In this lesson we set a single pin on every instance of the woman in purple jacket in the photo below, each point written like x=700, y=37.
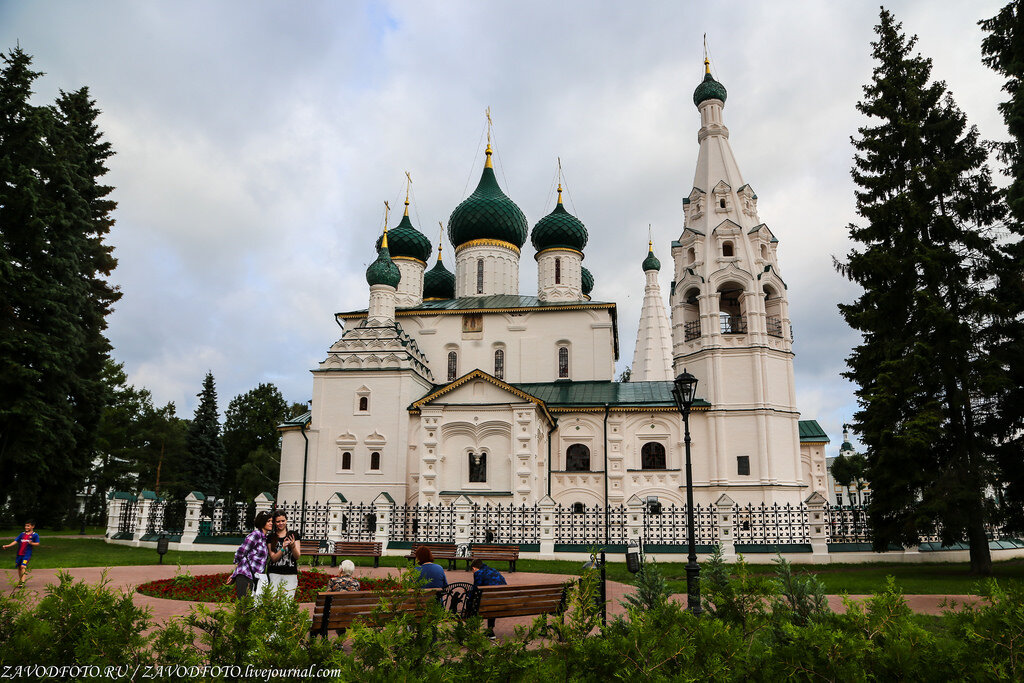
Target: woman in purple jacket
x=251, y=556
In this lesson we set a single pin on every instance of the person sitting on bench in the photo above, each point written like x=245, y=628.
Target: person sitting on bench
x=487, y=576
x=433, y=573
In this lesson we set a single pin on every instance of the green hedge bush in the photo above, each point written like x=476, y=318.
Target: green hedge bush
x=755, y=628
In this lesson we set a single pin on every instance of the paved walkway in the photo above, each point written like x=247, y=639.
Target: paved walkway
x=127, y=578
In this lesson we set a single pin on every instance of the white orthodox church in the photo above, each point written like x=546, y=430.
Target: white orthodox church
x=456, y=384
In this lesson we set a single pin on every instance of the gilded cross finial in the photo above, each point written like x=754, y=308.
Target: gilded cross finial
x=707, y=62
x=384, y=240
x=490, y=123
x=559, y=179
x=440, y=240
x=650, y=238
x=408, y=182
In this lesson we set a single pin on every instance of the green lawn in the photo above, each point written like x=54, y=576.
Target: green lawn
x=931, y=578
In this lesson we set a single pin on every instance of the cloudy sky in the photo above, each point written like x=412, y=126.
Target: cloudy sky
x=257, y=141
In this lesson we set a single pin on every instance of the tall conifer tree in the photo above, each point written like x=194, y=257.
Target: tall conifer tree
x=204, y=470
x=54, y=297
x=925, y=248
x=1003, y=51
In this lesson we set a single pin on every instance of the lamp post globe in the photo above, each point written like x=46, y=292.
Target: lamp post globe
x=683, y=390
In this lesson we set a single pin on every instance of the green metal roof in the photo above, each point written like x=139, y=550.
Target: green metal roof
x=383, y=271
x=587, y=280
x=811, y=431
x=405, y=240
x=438, y=282
x=709, y=89
x=298, y=420
x=598, y=393
x=651, y=262
x=487, y=214
x=559, y=229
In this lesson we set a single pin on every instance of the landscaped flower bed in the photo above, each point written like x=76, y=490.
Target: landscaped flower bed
x=214, y=587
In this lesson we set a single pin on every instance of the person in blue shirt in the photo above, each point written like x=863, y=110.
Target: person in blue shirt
x=487, y=576
x=25, y=542
x=433, y=573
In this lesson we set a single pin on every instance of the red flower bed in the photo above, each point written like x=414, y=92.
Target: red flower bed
x=214, y=587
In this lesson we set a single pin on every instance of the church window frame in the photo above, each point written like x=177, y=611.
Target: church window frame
x=453, y=365
x=563, y=361
x=577, y=458
x=476, y=462
x=499, y=363
x=743, y=465
x=558, y=271
x=653, y=456
x=364, y=404
x=479, y=276
x=375, y=461
x=728, y=251
x=578, y=508
x=361, y=405
x=346, y=461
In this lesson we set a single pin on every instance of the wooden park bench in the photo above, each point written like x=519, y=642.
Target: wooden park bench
x=353, y=549
x=440, y=551
x=501, y=553
x=311, y=547
x=496, y=602
x=336, y=610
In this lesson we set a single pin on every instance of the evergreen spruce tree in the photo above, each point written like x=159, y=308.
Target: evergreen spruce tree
x=925, y=249
x=1003, y=51
x=53, y=294
x=204, y=470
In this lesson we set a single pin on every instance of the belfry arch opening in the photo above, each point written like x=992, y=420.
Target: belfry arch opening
x=691, y=314
x=732, y=316
x=773, y=311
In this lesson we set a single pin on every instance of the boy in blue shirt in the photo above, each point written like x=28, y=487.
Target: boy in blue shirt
x=487, y=576
x=25, y=541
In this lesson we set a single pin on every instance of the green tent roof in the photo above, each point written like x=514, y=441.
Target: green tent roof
x=811, y=431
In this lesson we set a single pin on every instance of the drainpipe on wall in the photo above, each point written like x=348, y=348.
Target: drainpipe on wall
x=305, y=463
x=605, y=449
x=554, y=426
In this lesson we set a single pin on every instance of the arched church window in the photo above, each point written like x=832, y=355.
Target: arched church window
x=558, y=271
x=563, y=362
x=721, y=203
x=499, y=364
x=453, y=365
x=727, y=247
x=479, y=276
x=652, y=456
x=375, y=460
x=764, y=251
x=478, y=467
x=346, y=461
x=577, y=458
x=691, y=256
x=578, y=508
x=364, y=403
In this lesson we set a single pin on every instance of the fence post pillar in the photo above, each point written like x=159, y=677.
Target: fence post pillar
x=462, y=516
x=264, y=502
x=634, y=519
x=817, y=531
x=384, y=509
x=115, y=503
x=193, y=508
x=337, y=525
x=725, y=517
x=546, y=514
x=142, y=512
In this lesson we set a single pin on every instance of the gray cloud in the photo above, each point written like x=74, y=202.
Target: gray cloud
x=257, y=141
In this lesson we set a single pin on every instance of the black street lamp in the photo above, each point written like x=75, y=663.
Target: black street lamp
x=683, y=390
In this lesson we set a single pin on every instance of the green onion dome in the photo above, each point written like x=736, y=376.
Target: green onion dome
x=405, y=240
x=651, y=262
x=588, y=281
x=847, y=446
x=438, y=282
x=559, y=229
x=709, y=89
x=487, y=214
x=383, y=271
